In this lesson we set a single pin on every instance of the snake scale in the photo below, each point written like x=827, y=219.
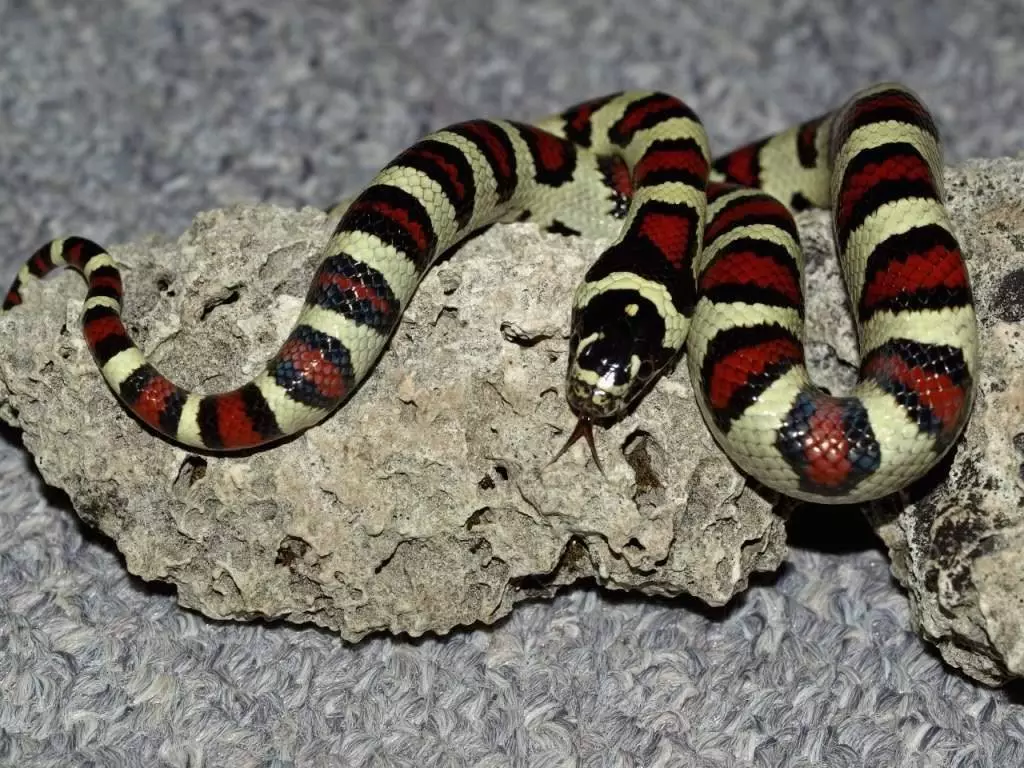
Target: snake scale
x=704, y=254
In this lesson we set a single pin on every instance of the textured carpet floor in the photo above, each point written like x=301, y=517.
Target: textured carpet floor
x=129, y=116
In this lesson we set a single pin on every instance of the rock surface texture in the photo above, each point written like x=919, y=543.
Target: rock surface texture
x=426, y=503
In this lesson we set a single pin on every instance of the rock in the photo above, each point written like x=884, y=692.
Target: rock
x=425, y=502
x=957, y=541
x=959, y=549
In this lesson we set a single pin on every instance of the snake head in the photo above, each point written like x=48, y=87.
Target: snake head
x=608, y=371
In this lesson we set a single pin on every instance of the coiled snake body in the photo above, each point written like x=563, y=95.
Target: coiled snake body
x=706, y=254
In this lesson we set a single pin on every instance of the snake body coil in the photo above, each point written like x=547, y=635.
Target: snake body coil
x=705, y=254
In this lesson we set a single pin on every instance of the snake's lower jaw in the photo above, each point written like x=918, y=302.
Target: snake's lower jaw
x=592, y=403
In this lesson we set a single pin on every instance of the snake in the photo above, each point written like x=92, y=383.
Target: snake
x=704, y=259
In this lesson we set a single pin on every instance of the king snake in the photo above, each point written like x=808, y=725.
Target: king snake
x=704, y=253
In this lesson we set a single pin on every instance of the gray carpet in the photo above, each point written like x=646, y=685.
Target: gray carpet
x=128, y=116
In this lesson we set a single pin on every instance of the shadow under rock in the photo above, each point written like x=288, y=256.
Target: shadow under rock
x=837, y=530
x=689, y=603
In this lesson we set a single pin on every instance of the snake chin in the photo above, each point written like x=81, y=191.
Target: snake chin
x=592, y=402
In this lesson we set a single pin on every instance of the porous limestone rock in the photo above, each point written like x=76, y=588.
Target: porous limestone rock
x=426, y=502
